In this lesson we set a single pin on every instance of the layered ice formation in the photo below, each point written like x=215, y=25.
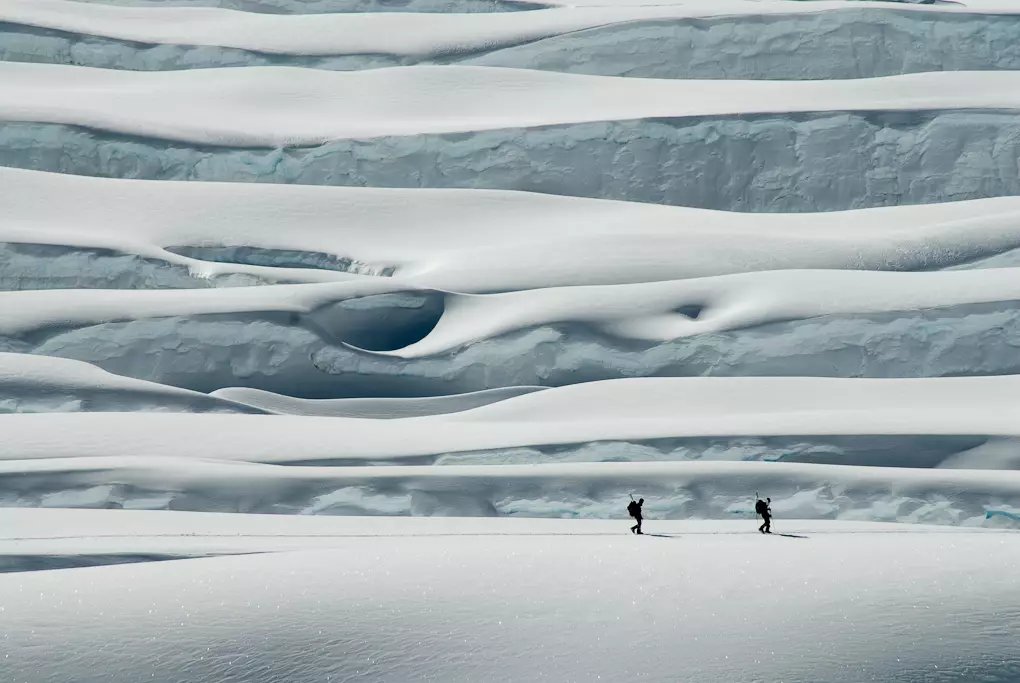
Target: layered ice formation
x=416, y=339
x=361, y=273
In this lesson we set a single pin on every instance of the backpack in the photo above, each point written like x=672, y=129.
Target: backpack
x=633, y=508
x=761, y=507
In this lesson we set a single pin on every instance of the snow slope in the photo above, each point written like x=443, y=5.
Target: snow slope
x=275, y=106
x=375, y=408
x=42, y=384
x=824, y=605
x=464, y=241
x=625, y=410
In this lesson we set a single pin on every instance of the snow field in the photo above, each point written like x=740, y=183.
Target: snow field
x=824, y=603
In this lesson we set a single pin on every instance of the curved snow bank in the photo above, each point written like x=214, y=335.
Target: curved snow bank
x=464, y=241
x=275, y=106
x=320, y=7
x=820, y=162
x=35, y=312
x=301, y=340
x=33, y=265
x=958, y=341
x=374, y=408
x=774, y=40
x=662, y=311
x=323, y=7
x=719, y=490
x=38, y=384
x=634, y=410
x=394, y=609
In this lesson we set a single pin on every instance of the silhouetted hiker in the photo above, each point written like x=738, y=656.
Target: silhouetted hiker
x=763, y=508
x=634, y=510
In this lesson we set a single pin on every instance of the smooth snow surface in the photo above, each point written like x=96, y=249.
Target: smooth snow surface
x=379, y=408
x=463, y=241
x=276, y=106
x=830, y=602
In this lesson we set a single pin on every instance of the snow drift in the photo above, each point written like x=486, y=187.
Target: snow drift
x=381, y=337
x=274, y=106
x=495, y=608
x=131, y=234
x=40, y=385
x=618, y=411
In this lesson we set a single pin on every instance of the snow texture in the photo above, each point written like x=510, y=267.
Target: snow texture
x=777, y=40
x=761, y=163
x=495, y=606
x=369, y=274
x=133, y=235
x=277, y=106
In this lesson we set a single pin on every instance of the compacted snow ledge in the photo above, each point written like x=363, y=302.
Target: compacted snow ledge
x=691, y=604
x=716, y=490
x=690, y=40
x=459, y=240
x=281, y=107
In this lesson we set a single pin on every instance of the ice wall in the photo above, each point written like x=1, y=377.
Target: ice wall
x=305, y=357
x=811, y=162
x=848, y=43
x=324, y=6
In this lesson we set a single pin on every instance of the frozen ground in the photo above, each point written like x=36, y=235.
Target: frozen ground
x=508, y=601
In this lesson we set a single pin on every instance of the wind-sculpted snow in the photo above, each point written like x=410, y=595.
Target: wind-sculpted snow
x=269, y=352
x=330, y=6
x=274, y=106
x=374, y=408
x=34, y=384
x=303, y=340
x=130, y=234
x=908, y=423
x=700, y=490
x=677, y=41
x=768, y=163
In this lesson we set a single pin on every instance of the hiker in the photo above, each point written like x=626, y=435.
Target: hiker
x=764, y=508
x=634, y=510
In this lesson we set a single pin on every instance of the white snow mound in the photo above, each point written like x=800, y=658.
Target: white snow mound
x=480, y=240
x=280, y=106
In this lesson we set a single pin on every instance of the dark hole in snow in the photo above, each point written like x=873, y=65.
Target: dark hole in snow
x=381, y=322
x=692, y=311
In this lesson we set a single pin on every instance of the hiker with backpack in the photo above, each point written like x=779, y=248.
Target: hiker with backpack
x=634, y=510
x=764, y=508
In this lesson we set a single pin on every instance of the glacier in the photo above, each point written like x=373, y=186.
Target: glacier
x=374, y=315
x=838, y=43
x=790, y=163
